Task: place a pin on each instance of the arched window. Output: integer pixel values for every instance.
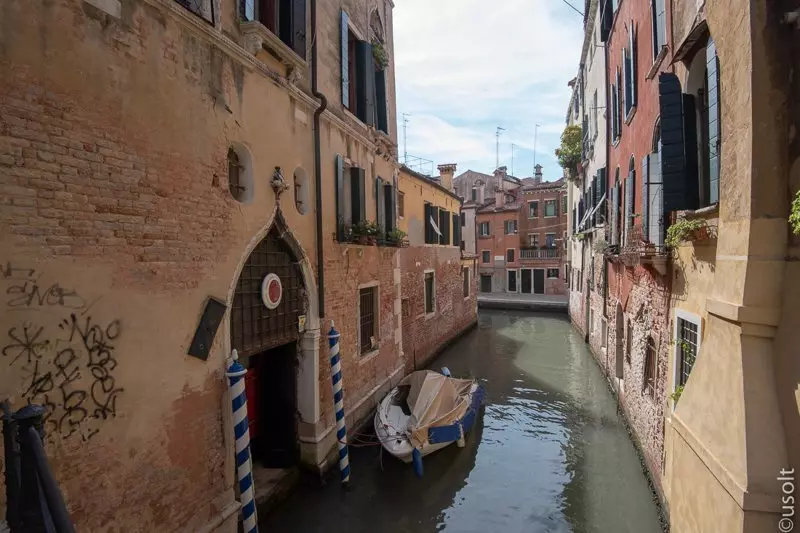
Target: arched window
(235, 184)
(301, 195)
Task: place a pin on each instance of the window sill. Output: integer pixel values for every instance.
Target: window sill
(258, 37)
(370, 355)
(657, 63)
(428, 316)
(615, 143)
(630, 115)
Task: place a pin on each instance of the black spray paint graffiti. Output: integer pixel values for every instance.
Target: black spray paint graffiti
(25, 291)
(70, 374)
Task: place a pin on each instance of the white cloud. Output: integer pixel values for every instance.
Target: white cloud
(466, 66)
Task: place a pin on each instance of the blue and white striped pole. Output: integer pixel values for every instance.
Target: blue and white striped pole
(338, 404)
(241, 431)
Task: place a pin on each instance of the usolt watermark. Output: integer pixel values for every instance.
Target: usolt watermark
(786, 479)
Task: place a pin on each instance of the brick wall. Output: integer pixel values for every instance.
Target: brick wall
(424, 336)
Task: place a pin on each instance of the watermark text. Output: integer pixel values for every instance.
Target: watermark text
(786, 479)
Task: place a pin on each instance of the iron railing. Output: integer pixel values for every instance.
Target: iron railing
(539, 253)
(34, 503)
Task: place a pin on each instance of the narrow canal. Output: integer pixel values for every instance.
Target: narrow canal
(550, 453)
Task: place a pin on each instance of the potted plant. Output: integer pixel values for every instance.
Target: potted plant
(794, 215)
(677, 394)
(686, 230)
(380, 55)
(397, 237)
(366, 233)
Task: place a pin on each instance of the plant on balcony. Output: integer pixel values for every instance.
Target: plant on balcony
(569, 153)
(365, 232)
(677, 394)
(794, 215)
(397, 237)
(600, 246)
(380, 55)
(686, 230)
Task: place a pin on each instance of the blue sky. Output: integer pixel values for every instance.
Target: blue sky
(463, 69)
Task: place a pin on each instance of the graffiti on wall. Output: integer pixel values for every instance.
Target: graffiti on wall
(64, 356)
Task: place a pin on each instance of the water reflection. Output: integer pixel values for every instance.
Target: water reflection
(549, 453)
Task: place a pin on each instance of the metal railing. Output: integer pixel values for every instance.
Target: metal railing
(539, 253)
(34, 503)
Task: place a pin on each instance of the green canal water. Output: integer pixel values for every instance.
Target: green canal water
(550, 453)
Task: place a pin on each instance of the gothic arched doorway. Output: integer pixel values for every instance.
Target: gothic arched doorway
(268, 301)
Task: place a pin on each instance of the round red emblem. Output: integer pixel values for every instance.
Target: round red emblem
(271, 291)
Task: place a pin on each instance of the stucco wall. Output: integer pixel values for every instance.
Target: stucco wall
(417, 193)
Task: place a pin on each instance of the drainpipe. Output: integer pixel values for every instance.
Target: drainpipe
(317, 159)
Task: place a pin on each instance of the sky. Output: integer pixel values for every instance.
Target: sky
(463, 68)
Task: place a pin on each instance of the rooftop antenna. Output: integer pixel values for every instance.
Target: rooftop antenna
(405, 140)
(497, 148)
(535, 136)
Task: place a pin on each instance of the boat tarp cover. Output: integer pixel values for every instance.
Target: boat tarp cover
(435, 400)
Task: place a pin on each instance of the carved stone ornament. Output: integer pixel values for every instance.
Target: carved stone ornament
(278, 183)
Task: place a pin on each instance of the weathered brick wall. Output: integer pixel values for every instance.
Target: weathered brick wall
(424, 336)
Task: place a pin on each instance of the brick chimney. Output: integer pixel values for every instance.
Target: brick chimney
(446, 173)
(537, 175)
(499, 197)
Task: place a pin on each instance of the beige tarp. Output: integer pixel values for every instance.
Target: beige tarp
(435, 400)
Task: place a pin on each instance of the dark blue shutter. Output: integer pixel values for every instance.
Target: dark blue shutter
(428, 228)
(365, 83)
(380, 101)
(714, 138)
(444, 226)
(691, 177)
(340, 212)
(673, 159)
(298, 27)
(645, 197)
(654, 29)
(344, 57)
(614, 214)
(626, 73)
(633, 57)
(390, 200)
(357, 195)
(380, 205)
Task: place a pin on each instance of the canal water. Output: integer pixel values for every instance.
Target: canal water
(550, 453)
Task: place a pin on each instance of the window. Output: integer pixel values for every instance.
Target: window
(474, 194)
(533, 240)
(286, 19)
(564, 204)
(444, 227)
(350, 198)
(510, 227)
(629, 71)
(430, 287)
(301, 190)
(687, 349)
(483, 229)
(616, 109)
(565, 240)
(463, 220)
(658, 15)
(486, 283)
(604, 333)
(552, 273)
(363, 79)
(235, 176)
(550, 208)
(533, 209)
(629, 342)
(511, 279)
(401, 204)
(650, 367)
(465, 280)
(594, 115)
(510, 255)
(433, 232)
(550, 240)
(367, 311)
(486, 256)
(202, 8)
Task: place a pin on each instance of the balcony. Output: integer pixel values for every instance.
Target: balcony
(539, 253)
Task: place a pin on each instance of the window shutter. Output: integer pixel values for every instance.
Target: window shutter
(357, 193)
(628, 206)
(614, 213)
(613, 120)
(435, 217)
(298, 27)
(656, 201)
(691, 176)
(654, 28)
(626, 81)
(344, 54)
(444, 226)
(456, 230)
(662, 23)
(673, 160)
(365, 83)
(633, 56)
(618, 113)
(645, 197)
(390, 193)
(714, 139)
(380, 101)
(602, 213)
(340, 204)
(380, 205)
(428, 229)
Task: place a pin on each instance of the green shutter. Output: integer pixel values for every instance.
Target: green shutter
(626, 73)
(673, 157)
(391, 206)
(380, 205)
(380, 101)
(633, 57)
(365, 83)
(344, 58)
(714, 138)
(357, 195)
(428, 228)
(645, 218)
(456, 230)
(340, 213)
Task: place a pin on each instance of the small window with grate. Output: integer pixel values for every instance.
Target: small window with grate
(486, 256)
(430, 298)
(235, 176)
(465, 280)
(510, 255)
(650, 368)
(687, 349)
(552, 273)
(368, 318)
